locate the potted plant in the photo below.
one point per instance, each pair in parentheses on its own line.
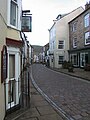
(70,67)
(87,67)
(65,65)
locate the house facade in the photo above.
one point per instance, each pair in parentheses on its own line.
(79,37)
(3,29)
(59,38)
(10,41)
(14,44)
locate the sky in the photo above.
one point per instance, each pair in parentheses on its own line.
(43,13)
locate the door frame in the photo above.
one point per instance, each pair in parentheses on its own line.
(16,52)
(82,59)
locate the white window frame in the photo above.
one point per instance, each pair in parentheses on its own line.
(74,26)
(87,38)
(86,20)
(72,56)
(59,60)
(74,42)
(19,14)
(61,44)
(16,52)
(12,20)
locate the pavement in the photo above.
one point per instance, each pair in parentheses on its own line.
(77,72)
(40,108)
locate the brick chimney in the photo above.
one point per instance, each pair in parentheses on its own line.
(87,5)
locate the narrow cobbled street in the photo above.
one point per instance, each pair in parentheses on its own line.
(70,94)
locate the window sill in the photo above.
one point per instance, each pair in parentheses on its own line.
(13,27)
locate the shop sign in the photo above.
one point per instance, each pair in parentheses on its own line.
(3,63)
(26,23)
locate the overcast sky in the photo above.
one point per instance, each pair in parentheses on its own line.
(43,13)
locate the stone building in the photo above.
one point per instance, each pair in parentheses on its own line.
(79,38)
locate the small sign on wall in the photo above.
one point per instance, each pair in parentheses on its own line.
(3,63)
(26,23)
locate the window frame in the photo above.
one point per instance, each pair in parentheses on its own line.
(74,26)
(74,58)
(86,20)
(15,3)
(61,45)
(75,42)
(87,36)
(59,60)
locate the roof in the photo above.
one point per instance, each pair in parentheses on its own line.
(60,16)
(79,14)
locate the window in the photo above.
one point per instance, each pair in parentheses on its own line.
(11,66)
(11,91)
(53,44)
(74,27)
(84,59)
(74,42)
(87,38)
(86,20)
(11,83)
(13,12)
(60,61)
(74,59)
(61,44)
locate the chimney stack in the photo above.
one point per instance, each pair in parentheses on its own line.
(87,5)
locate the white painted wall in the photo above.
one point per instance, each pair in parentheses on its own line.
(62,33)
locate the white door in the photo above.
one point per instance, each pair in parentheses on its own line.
(12,91)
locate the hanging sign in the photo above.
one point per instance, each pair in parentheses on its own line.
(26,23)
(3,63)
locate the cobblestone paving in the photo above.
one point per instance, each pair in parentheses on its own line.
(71,94)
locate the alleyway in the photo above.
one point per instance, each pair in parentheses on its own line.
(71,95)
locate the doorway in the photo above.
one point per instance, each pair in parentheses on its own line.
(12,81)
(83,59)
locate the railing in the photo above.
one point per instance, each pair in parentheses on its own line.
(18,91)
(25,88)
